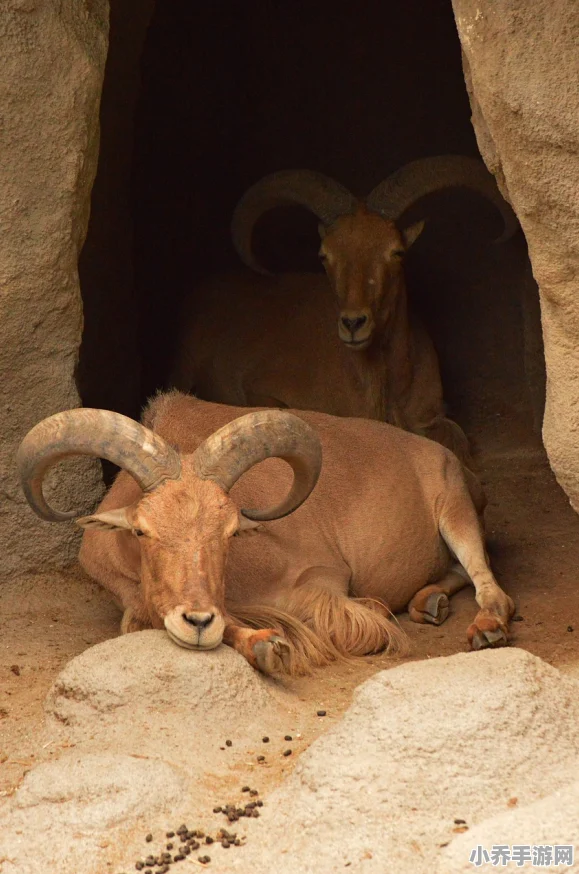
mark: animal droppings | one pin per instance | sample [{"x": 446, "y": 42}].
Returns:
[
  {"x": 228, "y": 743},
  {"x": 287, "y": 752},
  {"x": 245, "y": 788},
  {"x": 321, "y": 713},
  {"x": 261, "y": 758},
  {"x": 265, "y": 740},
  {"x": 288, "y": 737},
  {"x": 149, "y": 838},
  {"x": 217, "y": 810},
  {"x": 569, "y": 628},
  {"x": 208, "y": 839},
  {"x": 225, "y": 844},
  {"x": 204, "y": 860},
  {"x": 170, "y": 835},
  {"x": 139, "y": 866},
  {"x": 460, "y": 821},
  {"x": 170, "y": 846},
  {"x": 517, "y": 618}
]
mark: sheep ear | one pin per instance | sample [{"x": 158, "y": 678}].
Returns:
[
  {"x": 247, "y": 526},
  {"x": 411, "y": 234},
  {"x": 111, "y": 520}
]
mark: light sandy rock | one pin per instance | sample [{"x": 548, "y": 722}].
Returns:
[
  {"x": 552, "y": 821},
  {"x": 142, "y": 693},
  {"x": 422, "y": 745},
  {"x": 64, "y": 816},
  {"x": 51, "y": 70},
  {"x": 522, "y": 68}
]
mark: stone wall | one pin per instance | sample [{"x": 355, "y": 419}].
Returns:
[
  {"x": 522, "y": 68},
  {"x": 52, "y": 58}
]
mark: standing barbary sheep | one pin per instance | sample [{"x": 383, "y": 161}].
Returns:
[
  {"x": 271, "y": 341},
  {"x": 388, "y": 523}
]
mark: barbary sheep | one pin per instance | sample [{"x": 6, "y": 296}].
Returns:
[
  {"x": 259, "y": 340},
  {"x": 386, "y": 523}
]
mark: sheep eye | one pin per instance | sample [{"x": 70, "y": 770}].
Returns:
[{"x": 138, "y": 533}]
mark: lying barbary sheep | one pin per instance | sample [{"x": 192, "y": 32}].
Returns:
[
  {"x": 259, "y": 340},
  {"x": 387, "y": 523}
]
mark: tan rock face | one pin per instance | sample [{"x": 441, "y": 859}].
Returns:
[
  {"x": 522, "y": 68},
  {"x": 51, "y": 70}
]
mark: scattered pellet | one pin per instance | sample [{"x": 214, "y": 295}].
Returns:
[
  {"x": 228, "y": 743},
  {"x": 287, "y": 752},
  {"x": 225, "y": 844},
  {"x": 237, "y": 842},
  {"x": 178, "y": 857},
  {"x": 170, "y": 846},
  {"x": 245, "y": 788},
  {"x": 208, "y": 839},
  {"x": 170, "y": 835},
  {"x": 288, "y": 737},
  {"x": 259, "y": 803},
  {"x": 194, "y": 845},
  {"x": 517, "y": 618},
  {"x": 217, "y": 809},
  {"x": 163, "y": 869},
  {"x": 261, "y": 758},
  {"x": 460, "y": 821},
  {"x": 139, "y": 866},
  {"x": 321, "y": 713},
  {"x": 265, "y": 740},
  {"x": 569, "y": 628},
  {"x": 149, "y": 838},
  {"x": 253, "y": 792},
  {"x": 255, "y": 812},
  {"x": 204, "y": 860}
]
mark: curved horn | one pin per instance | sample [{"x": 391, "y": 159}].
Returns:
[
  {"x": 235, "y": 448},
  {"x": 325, "y": 197},
  {"x": 401, "y": 189},
  {"x": 101, "y": 433}
]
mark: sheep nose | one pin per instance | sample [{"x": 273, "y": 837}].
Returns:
[
  {"x": 353, "y": 324},
  {"x": 199, "y": 620}
]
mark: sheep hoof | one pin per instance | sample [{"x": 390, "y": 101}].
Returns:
[
  {"x": 436, "y": 608},
  {"x": 487, "y": 638},
  {"x": 433, "y": 609},
  {"x": 272, "y": 655}
]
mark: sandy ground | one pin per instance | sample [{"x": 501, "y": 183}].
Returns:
[{"x": 534, "y": 546}]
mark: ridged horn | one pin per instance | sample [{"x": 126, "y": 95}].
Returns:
[
  {"x": 426, "y": 175},
  {"x": 325, "y": 197},
  {"x": 100, "y": 433},
  {"x": 234, "y": 449}
]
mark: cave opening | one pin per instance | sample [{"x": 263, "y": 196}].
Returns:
[{"x": 199, "y": 103}]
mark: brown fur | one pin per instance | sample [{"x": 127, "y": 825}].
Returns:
[
  {"x": 391, "y": 514},
  {"x": 302, "y": 359}
]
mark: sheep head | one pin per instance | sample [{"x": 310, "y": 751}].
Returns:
[
  {"x": 363, "y": 255},
  {"x": 363, "y": 242}
]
